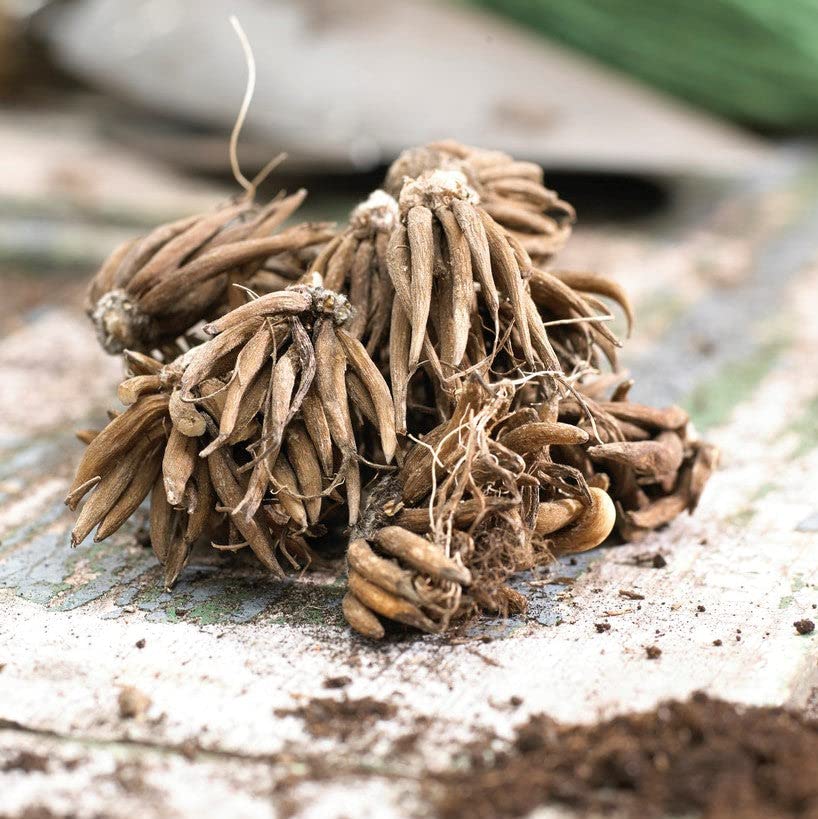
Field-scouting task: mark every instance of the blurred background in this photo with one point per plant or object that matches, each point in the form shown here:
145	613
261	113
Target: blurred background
115	113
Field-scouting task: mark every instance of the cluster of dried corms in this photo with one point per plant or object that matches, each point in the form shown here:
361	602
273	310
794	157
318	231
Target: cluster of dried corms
418	386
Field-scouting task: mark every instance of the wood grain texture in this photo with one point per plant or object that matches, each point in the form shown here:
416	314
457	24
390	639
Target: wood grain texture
230	646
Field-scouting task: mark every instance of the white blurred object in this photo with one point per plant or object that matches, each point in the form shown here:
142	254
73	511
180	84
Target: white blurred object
347	84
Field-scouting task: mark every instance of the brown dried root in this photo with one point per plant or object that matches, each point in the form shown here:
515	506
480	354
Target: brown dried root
136	455
511	192
517	447
576	322
649	457
471	512
494	266
449	252
460	269
403	577
291	349
192	480
153	289
588	529
354	263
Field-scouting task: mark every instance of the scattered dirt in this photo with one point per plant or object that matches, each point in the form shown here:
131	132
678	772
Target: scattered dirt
342	719
140	643
811	705
130	776
132	702
804	626
602	627
37	812
702	756
190	748
27	762
631	595
653	652
337	682
717	642
656	561
407	743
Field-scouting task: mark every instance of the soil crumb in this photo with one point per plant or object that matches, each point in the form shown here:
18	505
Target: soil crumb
337	682
656	560
132	702
342	718
804	626
703	756
631	595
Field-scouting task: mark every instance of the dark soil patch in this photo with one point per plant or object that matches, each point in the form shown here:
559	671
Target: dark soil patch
703	756
27	762
804	626
37	812
343	718
337	682
407	743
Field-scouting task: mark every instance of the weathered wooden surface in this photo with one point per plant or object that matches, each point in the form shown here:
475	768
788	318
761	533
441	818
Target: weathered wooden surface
728	289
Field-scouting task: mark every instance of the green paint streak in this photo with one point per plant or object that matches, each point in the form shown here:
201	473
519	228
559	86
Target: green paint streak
805	429
785	602
712	401
309	604
797	583
149	594
57	590
207	614
213	611
95	554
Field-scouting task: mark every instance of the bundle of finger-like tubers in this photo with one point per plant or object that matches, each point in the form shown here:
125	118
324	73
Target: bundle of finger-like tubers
421	387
